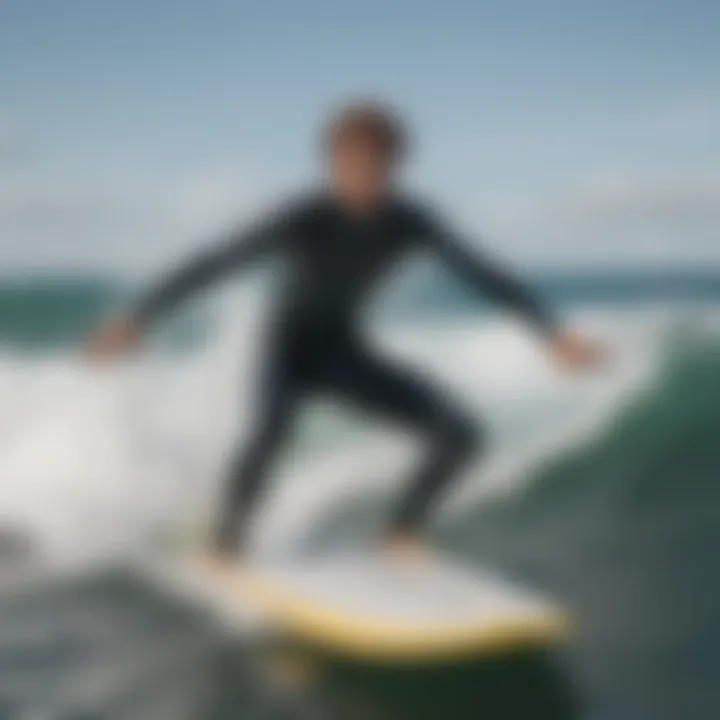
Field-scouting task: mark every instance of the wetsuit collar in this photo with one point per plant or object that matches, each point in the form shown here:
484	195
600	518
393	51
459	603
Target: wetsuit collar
358	215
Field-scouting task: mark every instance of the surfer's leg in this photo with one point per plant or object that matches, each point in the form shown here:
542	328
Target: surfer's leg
452	437
248	471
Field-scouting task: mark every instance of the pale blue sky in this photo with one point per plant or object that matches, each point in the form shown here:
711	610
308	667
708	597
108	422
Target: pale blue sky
563	130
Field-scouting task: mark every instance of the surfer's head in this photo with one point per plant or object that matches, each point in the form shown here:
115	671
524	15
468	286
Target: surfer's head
365	143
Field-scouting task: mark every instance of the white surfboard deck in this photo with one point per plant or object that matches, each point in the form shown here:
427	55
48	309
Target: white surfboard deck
373	607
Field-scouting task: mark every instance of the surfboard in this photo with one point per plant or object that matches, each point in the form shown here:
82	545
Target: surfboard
371	607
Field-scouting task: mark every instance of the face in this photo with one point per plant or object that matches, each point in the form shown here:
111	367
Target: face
360	173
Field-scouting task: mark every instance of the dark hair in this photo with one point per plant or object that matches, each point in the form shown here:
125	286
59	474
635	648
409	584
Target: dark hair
370	120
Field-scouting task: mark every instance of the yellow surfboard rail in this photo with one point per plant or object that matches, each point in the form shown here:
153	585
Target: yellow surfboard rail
343	633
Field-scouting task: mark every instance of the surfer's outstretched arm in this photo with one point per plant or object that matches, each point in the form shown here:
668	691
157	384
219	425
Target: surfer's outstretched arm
570	349
233	253
487	277
230	255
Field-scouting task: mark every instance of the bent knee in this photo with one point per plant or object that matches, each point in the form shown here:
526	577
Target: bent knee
464	435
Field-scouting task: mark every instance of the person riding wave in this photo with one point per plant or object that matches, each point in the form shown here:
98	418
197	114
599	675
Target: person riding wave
337	243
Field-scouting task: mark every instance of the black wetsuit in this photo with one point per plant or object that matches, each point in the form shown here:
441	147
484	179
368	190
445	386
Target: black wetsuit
333	262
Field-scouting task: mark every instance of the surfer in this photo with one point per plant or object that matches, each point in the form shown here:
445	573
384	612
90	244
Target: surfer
336	244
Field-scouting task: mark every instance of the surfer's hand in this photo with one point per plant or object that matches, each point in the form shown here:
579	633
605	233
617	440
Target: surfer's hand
113	340
574	351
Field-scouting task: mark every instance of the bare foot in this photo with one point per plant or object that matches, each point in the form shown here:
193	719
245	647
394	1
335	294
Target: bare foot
408	548
221	563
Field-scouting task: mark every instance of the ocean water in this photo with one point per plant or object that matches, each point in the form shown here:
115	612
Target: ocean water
600	488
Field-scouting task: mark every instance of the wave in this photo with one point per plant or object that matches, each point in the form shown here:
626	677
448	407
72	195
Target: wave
101	462
662	445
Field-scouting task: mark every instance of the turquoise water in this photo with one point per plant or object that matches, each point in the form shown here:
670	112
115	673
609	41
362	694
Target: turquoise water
621	526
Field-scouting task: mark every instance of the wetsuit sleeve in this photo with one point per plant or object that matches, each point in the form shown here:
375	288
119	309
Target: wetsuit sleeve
483	274
239	248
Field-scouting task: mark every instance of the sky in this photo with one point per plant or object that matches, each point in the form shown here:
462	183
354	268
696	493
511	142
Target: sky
556	132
